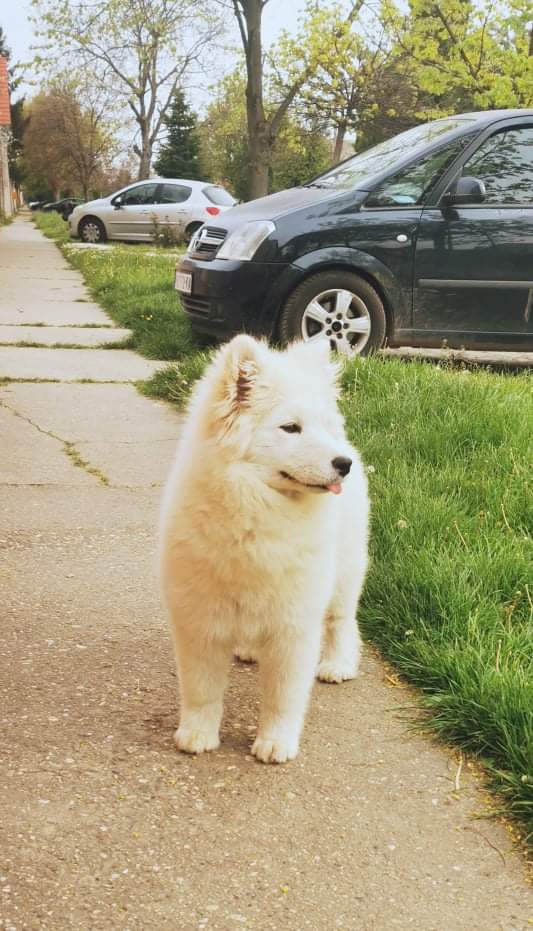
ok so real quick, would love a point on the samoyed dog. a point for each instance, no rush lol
(263, 540)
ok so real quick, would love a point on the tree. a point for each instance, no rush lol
(467, 55)
(360, 83)
(179, 155)
(68, 138)
(263, 124)
(300, 150)
(143, 47)
(4, 48)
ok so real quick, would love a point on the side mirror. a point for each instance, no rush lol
(117, 202)
(465, 191)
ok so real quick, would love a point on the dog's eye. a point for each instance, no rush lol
(291, 427)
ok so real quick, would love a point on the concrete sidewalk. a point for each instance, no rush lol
(104, 825)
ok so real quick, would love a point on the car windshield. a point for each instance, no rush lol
(387, 154)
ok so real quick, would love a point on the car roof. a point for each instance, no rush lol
(489, 116)
(188, 181)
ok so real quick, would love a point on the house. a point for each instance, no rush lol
(6, 203)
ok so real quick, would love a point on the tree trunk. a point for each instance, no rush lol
(144, 151)
(145, 161)
(259, 142)
(339, 142)
(260, 148)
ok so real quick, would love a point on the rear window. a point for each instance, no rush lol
(219, 196)
(174, 194)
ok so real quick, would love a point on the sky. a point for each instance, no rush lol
(278, 14)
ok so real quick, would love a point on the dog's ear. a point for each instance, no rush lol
(241, 363)
(317, 355)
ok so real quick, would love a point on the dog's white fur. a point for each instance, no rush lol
(253, 561)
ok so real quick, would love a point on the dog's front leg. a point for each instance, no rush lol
(202, 671)
(287, 667)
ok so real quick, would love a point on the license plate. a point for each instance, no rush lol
(183, 282)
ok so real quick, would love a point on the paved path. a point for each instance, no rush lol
(103, 825)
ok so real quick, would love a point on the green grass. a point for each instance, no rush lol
(449, 596)
(134, 283)
(52, 225)
(5, 220)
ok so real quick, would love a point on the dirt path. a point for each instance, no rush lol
(103, 825)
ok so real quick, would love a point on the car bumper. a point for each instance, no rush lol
(230, 297)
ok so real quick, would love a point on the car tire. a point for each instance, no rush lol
(190, 230)
(339, 306)
(92, 230)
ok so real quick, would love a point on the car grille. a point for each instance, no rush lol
(195, 305)
(206, 242)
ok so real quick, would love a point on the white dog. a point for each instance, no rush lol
(259, 548)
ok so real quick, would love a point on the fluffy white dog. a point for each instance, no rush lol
(263, 540)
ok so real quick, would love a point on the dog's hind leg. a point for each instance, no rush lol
(202, 672)
(341, 647)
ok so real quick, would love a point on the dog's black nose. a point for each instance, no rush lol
(342, 465)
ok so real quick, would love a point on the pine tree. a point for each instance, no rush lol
(179, 155)
(4, 48)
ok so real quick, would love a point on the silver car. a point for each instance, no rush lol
(134, 212)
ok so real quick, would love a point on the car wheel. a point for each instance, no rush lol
(92, 230)
(338, 306)
(191, 230)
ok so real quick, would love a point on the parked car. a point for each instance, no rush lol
(64, 206)
(131, 213)
(424, 238)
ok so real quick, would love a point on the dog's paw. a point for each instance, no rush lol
(275, 749)
(246, 654)
(332, 671)
(194, 741)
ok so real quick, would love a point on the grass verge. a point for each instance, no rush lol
(134, 283)
(449, 596)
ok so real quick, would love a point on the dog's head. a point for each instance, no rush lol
(276, 413)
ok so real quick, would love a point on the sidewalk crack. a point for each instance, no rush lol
(69, 448)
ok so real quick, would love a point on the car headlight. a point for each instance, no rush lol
(242, 244)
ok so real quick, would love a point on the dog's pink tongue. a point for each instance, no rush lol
(336, 488)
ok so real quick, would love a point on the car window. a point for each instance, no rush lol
(142, 194)
(410, 186)
(174, 194)
(504, 162)
(219, 196)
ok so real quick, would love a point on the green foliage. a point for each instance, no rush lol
(299, 153)
(358, 82)
(179, 154)
(467, 55)
(5, 51)
(223, 136)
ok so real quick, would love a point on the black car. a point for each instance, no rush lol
(64, 206)
(424, 238)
